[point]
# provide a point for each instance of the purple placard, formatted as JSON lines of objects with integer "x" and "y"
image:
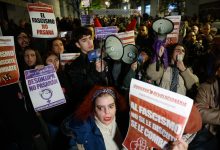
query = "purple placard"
{"x": 44, "y": 88}
{"x": 103, "y": 32}
{"x": 86, "y": 20}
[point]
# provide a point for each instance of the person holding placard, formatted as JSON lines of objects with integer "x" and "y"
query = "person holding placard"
{"x": 176, "y": 77}
{"x": 54, "y": 116}
{"x": 93, "y": 125}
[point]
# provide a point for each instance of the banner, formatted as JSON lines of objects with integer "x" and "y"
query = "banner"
{"x": 43, "y": 21}
{"x": 9, "y": 72}
{"x": 86, "y": 20}
{"x": 68, "y": 57}
{"x": 103, "y": 32}
{"x": 157, "y": 116}
{"x": 44, "y": 88}
{"x": 119, "y": 12}
{"x": 173, "y": 37}
{"x": 127, "y": 37}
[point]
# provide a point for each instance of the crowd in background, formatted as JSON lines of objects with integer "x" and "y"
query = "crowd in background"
{"x": 193, "y": 70}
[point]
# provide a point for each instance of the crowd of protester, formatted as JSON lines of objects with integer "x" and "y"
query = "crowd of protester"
{"x": 96, "y": 113}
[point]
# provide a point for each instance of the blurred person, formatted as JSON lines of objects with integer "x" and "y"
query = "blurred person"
{"x": 208, "y": 104}
{"x": 144, "y": 38}
{"x": 206, "y": 36}
{"x": 195, "y": 29}
{"x": 57, "y": 46}
{"x": 195, "y": 49}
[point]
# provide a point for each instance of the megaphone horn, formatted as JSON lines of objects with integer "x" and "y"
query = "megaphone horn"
{"x": 130, "y": 54}
{"x": 113, "y": 47}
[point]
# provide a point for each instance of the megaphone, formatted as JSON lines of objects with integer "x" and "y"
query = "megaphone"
{"x": 113, "y": 47}
{"x": 162, "y": 27}
{"x": 130, "y": 54}
{"x": 94, "y": 55}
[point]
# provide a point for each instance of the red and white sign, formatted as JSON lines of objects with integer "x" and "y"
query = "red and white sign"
{"x": 42, "y": 20}
{"x": 9, "y": 72}
{"x": 173, "y": 37}
{"x": 157, "y": 116}
{"x": 103, "y": 32}
{"x": 127, "y": 37}
{"x": 68, "y": 57}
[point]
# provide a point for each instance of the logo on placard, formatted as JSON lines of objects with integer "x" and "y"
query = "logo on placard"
{"x": 46, "y": 94}
{"x": 139, "y": 144}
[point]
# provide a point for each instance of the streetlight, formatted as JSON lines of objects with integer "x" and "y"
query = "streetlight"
{"x": 107, "y": 4}
{"x": 126, "y": 2}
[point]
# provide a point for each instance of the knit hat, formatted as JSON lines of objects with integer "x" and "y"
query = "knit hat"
{"x": 194, "y": 122}
{"x": 97, "y": 23}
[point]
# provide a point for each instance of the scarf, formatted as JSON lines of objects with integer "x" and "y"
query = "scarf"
{"x": 108, "y": 133}
{"x": 175, "y": 79}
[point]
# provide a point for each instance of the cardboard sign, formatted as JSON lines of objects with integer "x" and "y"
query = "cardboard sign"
{"x": 118, "y": 12}
{"x": 68, "y": 57}
{"x": 85, "y": 3}
{"x": 44, "y": 88}
{"x": 9, "y": 72}
{"x": 43, "y": 21}
{"x": 103, "y": 32}
{"x": 173, "y": 37}
{"x": 157, "y": 116}
{"x": 127, "y": 37}
{"x": 86, "y": 20}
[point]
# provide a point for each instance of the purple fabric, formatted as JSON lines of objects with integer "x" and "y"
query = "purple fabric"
{"x": 156, "y": 47}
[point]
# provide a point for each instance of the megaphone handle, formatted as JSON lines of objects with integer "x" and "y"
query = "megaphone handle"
{"x": 157, "y": 65}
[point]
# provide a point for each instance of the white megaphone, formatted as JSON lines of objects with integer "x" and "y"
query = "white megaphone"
{"x": 130, "y": 54}
{"x": 162, "y": 27}
{"x": 113, "y": 47}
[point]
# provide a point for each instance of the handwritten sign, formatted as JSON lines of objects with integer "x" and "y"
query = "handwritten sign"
{"x": 43, "y": 21}
{"x": 9, "y": 72}
{"x": 44, "y": 88}
{"x": 157, "y": 116}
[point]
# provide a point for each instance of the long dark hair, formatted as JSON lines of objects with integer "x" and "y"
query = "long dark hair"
{"x": 171, "y": 48}
{"x": 38, "y": 57}
{"x": 49, "y": 53}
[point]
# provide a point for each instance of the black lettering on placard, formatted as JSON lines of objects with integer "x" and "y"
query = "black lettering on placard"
{"x": 42, "y": 15}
